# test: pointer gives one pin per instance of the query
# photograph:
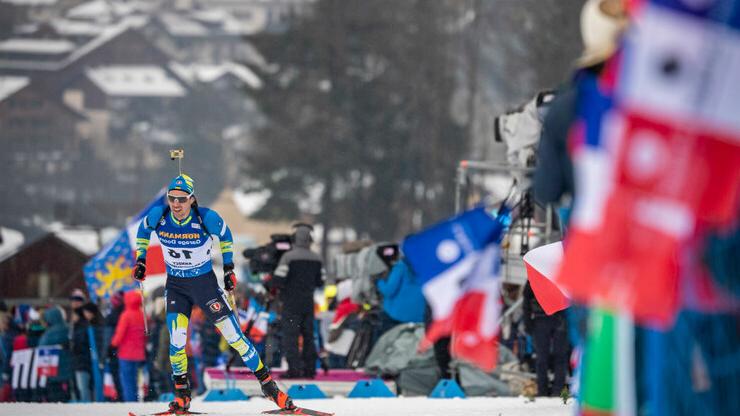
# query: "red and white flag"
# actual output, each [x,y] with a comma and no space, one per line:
[664,171]
[542,264]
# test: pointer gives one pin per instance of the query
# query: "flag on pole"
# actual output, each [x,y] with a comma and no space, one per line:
[47,361]
[457,263]
[608,376]
[657,165]
[110,269]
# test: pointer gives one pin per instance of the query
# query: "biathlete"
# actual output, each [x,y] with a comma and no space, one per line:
[185,231]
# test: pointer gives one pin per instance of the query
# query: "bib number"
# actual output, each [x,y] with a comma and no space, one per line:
[176,254]
[187,257]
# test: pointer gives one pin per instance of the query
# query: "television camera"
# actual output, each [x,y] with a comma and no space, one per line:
[265,258]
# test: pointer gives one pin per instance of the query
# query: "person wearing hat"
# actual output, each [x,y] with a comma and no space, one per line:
[602,25]
[185,232]
[77,298]
[299,272]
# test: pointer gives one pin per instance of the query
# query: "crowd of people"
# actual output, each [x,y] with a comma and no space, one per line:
[108,338]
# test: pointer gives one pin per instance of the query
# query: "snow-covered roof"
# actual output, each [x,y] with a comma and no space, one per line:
[209,73]
[96,9]
[108,34]
[87,240]
[254,22]
[12,240]
[177,25]
[215,15]
[246,25]
[69,27]
[36,46]
[30,2]
[135,81]
[10,85]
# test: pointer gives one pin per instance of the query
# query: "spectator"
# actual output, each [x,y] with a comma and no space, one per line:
[441,347]
[162,352]
[87,330]
[602,23]
[130,342]
[403,300]
[550,335]
[5,351]
[80,355]
[95,320]
[57,333]
[77,298]
[298,274]
[158,349]
[35,328]
[109,327]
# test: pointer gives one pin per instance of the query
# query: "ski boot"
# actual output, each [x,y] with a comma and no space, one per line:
[181,404]
[271,390]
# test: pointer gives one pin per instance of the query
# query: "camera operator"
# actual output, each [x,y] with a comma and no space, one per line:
[299,272]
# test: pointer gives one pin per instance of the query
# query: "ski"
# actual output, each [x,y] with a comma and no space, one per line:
[297,411]
[166,413]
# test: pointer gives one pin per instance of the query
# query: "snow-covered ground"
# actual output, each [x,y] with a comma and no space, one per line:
[409,406]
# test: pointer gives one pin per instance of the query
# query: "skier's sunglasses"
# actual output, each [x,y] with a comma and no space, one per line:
[180,199]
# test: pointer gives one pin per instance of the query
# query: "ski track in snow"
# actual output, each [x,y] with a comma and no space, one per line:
[403,406]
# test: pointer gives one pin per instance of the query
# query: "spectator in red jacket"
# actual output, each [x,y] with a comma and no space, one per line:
[130,341]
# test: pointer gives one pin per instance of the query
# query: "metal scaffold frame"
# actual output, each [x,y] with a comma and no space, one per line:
[524,226]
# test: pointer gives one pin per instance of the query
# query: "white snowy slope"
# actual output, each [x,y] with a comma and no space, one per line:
[410,406]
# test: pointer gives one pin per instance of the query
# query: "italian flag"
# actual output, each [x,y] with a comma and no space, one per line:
[608,366]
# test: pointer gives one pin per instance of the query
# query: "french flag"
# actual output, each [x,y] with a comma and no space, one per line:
[47,361]
[457,262]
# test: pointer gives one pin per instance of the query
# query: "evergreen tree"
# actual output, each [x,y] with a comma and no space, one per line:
[357,109]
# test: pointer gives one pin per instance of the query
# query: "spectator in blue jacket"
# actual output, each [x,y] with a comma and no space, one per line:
[403,300]
[57,333]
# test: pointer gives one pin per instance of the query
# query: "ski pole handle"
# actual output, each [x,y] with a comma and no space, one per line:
[143,307]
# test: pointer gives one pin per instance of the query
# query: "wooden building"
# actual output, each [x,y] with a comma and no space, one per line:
[47,268]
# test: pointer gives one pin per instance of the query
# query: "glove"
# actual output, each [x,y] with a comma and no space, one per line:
[229,277]
[112,352]
[140,270]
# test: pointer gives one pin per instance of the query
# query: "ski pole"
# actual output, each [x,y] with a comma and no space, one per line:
[232,300]
[143,306]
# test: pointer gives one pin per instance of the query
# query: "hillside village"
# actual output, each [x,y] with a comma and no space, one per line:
[93,94]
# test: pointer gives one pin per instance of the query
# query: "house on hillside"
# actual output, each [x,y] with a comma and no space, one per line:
[115,97]
[40,142]
[272,16]
[221,77]
[34,10]
[47,268]
[206,37]
[119,43]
